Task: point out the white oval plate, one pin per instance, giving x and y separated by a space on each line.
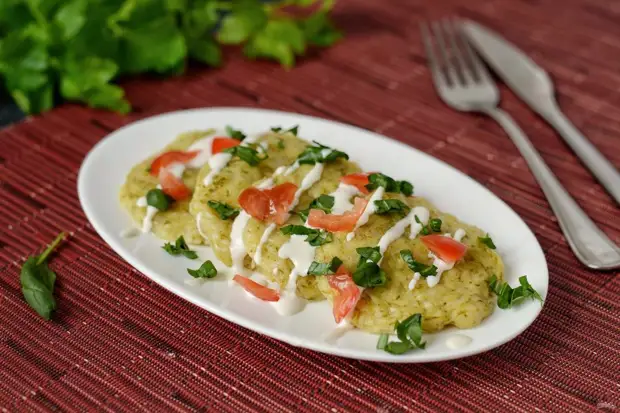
106 166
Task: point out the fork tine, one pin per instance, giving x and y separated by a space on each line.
438 75
480 72
461 67
449 69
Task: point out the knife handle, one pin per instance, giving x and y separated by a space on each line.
591 246
600 167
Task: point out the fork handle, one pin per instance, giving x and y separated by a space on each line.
600 167
591 246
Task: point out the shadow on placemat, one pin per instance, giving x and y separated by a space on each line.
9 112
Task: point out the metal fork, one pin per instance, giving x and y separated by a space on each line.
464 84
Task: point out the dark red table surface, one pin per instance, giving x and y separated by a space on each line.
120 342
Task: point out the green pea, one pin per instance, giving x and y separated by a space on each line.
158 199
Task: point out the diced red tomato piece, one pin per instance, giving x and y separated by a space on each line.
255 202
173 186
256 289
445 247
347 293
359 181
269 203
220 143
168 158
281 197
337 223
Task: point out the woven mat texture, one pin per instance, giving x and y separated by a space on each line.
119 342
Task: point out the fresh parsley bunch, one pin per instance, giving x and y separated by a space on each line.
75 49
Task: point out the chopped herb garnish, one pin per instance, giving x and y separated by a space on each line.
180 248
324 203
368 273
486 240
378 179
235 134
225 211
368 254
281 144
158 199
386 206
508 296
435 224
406 188
247 154
319 154
424 230
415 266
315 237
292 130
206 270
318 268
37 281
409 332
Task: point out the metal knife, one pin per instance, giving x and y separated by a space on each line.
530 82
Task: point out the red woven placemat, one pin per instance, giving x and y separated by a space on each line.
120 342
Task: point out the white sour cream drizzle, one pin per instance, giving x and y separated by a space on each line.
204 146
457 341
342 198
219 161
237 246
291 168
443 266
368 211
298 251
414 281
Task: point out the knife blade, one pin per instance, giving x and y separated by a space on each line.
534 86
528 80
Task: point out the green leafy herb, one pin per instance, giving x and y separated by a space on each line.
235 134
225 211
368 254
435 224
281 144
317 268
508 296
425 230
78 48
377 180
323 202
315 237
292 130
180 248
415 266
368 273
409 332
319 153
37 281
206 270
486 240
250 155
387 206
158 199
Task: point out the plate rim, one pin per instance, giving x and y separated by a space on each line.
123 252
